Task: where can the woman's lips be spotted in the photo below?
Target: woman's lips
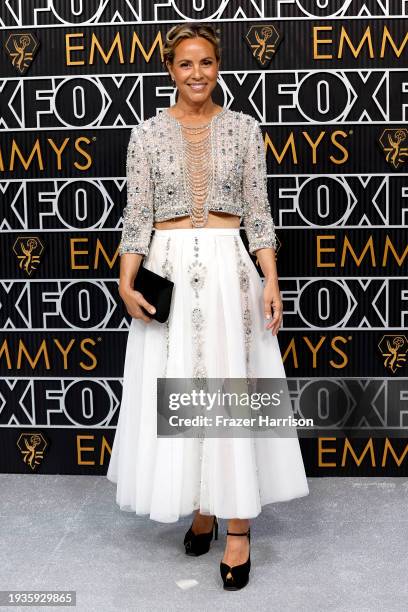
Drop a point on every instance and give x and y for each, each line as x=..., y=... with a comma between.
x=198, y=87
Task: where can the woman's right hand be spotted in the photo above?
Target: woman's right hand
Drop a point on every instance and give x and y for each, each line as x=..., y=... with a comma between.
x=133, y=301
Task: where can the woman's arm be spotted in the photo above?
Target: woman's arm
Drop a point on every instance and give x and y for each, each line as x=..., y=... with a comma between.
x=138, y=212
x=259, y=225
x=137, y=226
x=257, y=218
x=271, y=293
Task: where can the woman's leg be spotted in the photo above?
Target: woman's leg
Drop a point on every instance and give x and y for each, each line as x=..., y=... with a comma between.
x=237, y=547
x=202, y=523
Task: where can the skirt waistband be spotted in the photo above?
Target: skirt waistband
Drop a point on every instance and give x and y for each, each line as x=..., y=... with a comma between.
x=198, y=231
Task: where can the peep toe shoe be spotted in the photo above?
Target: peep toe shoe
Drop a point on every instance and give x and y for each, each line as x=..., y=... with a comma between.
x=199, y=543
x=236, y=577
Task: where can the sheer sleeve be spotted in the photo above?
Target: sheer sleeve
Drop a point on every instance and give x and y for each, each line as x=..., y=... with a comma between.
x=138, y=212
x=257, y=218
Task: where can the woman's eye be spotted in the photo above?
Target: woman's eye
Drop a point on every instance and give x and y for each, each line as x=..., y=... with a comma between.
x=207, y=62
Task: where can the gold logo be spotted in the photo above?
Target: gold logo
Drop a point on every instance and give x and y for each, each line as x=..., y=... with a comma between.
x=391, y=141
x=32, y=447
x=394, y=350
x=28, y=250
x=263, y=40
x=21, y=49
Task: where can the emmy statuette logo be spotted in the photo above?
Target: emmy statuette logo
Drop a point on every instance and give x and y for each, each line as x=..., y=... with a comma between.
x=263, y=40
x=391, y=142
x=394, y=349
x=28, y=250
x=32, y=447
x=21, y=49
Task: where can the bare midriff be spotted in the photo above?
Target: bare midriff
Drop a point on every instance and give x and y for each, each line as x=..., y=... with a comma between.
x=215, y=219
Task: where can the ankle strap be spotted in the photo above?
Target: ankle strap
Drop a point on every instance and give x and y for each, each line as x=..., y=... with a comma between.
x=239, y=534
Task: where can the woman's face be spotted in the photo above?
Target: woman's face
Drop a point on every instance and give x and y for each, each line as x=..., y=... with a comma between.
x=194, y=64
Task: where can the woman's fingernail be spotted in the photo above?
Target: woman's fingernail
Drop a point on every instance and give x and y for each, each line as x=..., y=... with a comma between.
x=152, y=310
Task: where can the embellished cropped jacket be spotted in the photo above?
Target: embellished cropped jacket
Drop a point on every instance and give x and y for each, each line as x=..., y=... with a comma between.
x=156, y=178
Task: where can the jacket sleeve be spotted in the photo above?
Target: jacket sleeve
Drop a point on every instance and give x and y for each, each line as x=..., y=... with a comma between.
x=257, y=218
x=138, y=212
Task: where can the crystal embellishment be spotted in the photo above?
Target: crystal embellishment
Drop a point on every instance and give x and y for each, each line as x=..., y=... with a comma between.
x=167, y=271
x=158, y=178
x=243, y=275
x=197, y=271
x=197, y=276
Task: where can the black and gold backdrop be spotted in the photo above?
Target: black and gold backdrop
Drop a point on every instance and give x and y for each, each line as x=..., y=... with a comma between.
x=328, y=81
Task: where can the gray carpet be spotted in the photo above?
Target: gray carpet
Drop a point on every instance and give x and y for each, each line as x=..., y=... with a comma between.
x=341, y=548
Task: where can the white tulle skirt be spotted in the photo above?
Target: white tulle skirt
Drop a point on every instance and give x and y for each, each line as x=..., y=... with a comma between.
x=167, y=478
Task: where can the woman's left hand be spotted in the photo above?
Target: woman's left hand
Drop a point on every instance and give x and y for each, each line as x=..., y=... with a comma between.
x=272, y=302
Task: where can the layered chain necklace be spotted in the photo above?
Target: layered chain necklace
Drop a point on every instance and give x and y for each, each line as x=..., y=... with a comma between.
x=198, y=169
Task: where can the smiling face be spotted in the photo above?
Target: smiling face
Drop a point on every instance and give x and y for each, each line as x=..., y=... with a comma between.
x=195, y=69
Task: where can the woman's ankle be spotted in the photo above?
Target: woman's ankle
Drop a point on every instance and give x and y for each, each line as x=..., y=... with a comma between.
x=238, y=525
x=202, y=522
x=203, y=518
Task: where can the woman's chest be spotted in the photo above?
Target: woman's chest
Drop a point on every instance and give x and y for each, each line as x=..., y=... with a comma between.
x=180, y=165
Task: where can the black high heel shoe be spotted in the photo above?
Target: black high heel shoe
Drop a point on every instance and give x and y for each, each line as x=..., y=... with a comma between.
x=199, y=543
x=235, y=577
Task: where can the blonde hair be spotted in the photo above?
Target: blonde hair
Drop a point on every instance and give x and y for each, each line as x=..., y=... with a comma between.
x=189, y=30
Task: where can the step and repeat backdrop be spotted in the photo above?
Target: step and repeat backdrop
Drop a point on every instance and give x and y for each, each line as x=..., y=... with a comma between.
x=328, y=82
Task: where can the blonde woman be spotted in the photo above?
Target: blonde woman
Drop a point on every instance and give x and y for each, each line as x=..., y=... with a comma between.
x=194, y=170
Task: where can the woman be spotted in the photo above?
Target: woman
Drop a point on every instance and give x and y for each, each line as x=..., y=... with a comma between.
x=193, y=171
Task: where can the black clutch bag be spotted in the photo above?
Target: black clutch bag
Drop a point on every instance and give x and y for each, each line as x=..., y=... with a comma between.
x=157, y=290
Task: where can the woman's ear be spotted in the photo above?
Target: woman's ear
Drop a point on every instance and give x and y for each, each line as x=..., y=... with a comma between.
x=168, y=70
